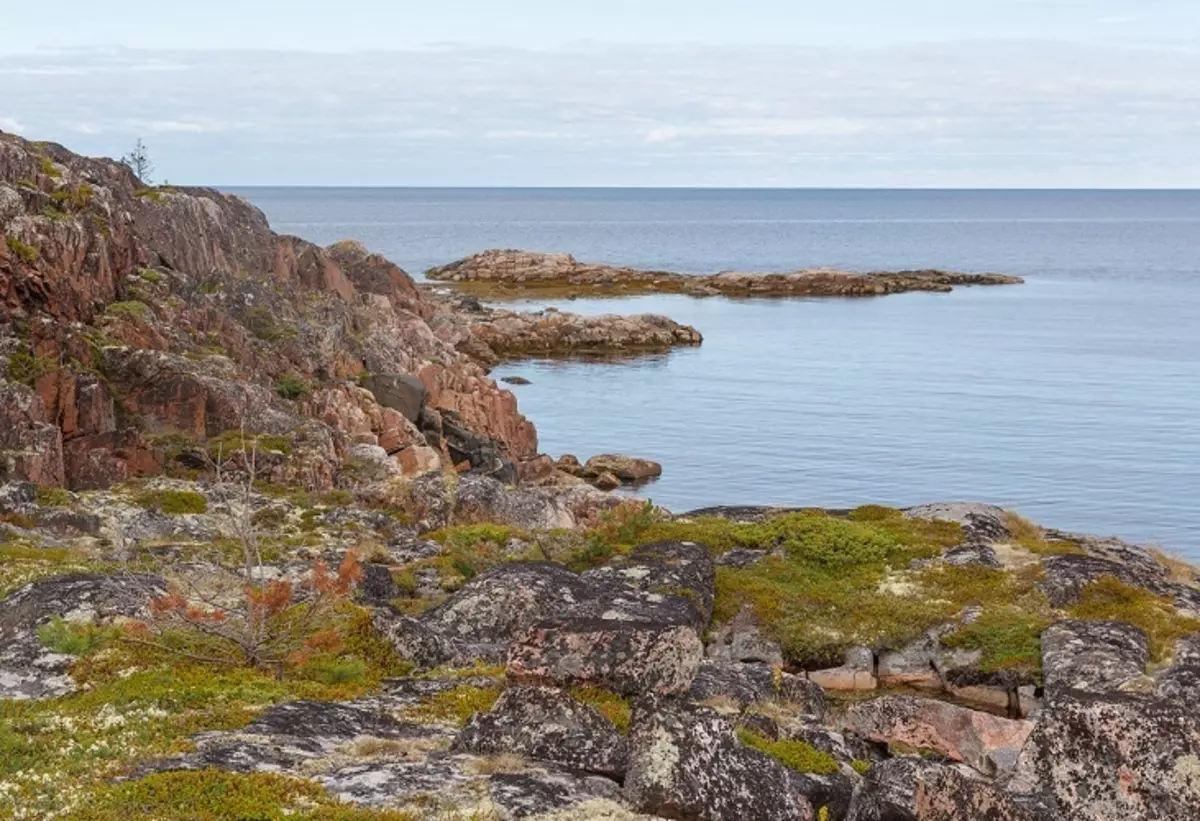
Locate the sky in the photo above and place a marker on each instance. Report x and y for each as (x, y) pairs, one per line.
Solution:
(924, 93)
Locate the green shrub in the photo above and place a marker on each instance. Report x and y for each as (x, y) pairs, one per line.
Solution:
(796, 755)
(291, 387)
(174, 502)
(25, 253)
(73, 639)
(335, 671)
(76, 198)
(54, 497)
(1008, 637)
(49, 168)
(50, 212)
(261, 323)
(25, 368)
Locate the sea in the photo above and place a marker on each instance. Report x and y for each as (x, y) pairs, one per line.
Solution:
(1073, 399)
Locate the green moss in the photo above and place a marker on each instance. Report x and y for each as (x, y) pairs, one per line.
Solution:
(232, 442)
(831, 582)
(1008, 637)
(860, 766)
(132, 310)
(212, 287)
(292, 387)
(58, 215)
(1108, 598)
(615, 708)
(54, 497)
(456, 706)
(216, 795)
(261, 323)
(24, 252)
(175, 502)
(336, 498)
(152, 194)
(76, 198)
(796, 755)
(149, 275)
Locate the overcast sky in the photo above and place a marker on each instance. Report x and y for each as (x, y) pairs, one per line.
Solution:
(1005, 93)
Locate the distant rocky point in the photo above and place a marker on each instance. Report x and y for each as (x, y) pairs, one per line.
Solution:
(497, 273)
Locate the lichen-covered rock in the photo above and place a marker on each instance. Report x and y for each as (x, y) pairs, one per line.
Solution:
(986, 742)
(543, 790)
(981, 522)
(1093, 656)
(912, 789)
(547, 724)
(923, 663)
(627, 657)
(1181, 681)
(743, 684)
(489, 611)
(857, 672)
(415, 642)
(687, 763)
(664, 582)
(1114, 757)
(1065, 577)
(28, 669)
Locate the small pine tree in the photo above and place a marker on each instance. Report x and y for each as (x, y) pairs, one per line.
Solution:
(138, 161)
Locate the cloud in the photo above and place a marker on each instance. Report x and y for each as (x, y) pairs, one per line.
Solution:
(11, 125)
(1005, 113)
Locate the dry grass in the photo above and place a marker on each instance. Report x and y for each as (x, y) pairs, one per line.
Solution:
(492, 764)
(1033, 537)
(1180, 570)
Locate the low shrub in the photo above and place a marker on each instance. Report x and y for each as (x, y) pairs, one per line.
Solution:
(1108, 598)
(24, 252)
(456, 706)
(796, 755)
(174, 502)
(292, 387)
(133, 310)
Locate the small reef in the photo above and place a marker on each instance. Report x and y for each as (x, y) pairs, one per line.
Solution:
(510, 274)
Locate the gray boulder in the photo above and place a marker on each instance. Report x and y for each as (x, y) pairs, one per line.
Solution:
(1093, 656)
(687, 763)
(981, 522)
(547, 724)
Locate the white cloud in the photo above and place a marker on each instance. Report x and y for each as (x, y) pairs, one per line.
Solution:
(981, 113)
(11, 125)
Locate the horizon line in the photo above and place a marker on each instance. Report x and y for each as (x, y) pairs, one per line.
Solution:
(385, 187)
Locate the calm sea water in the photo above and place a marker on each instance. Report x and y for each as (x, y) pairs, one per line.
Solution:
(1074, 398)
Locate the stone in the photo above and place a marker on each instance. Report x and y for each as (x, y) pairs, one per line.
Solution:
(981, 740)
(376, 586)
(686, 762)
(1113, 757)
(741, 640)
(743, 684)
(400, 392)
(665, 582)
(976, 554)
(536, 793)
(627, 657)
(19, 498)
(515, 380)
(856, 674)
(1065, 577)
(982, 523)
(606, 481)
(493, 608)
(1093, 656)
(625, 468)
(547, 724)
(1181, 681)
(414, 642)
(913, 789)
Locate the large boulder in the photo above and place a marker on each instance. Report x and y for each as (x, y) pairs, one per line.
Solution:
(664, 582)
(1181, 681)
(986, 742)
(687, 763)
(489, 611)
(627, 657)
(625, 468)
(1093, 656)
(398, 391)
(980, 522)
(912, 789)
(547, 724)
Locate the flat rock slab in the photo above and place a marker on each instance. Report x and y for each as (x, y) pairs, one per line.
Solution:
(988, 743)
(1093, 656)
(982, 523)
(623, 656)
(912, 789)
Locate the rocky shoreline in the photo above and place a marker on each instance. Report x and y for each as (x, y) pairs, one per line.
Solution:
(274, 544)
(510, 274)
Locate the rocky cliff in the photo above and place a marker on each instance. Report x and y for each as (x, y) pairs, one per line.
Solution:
(141, 322)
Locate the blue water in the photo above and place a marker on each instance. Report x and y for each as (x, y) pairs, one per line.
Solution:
(1074, 398)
